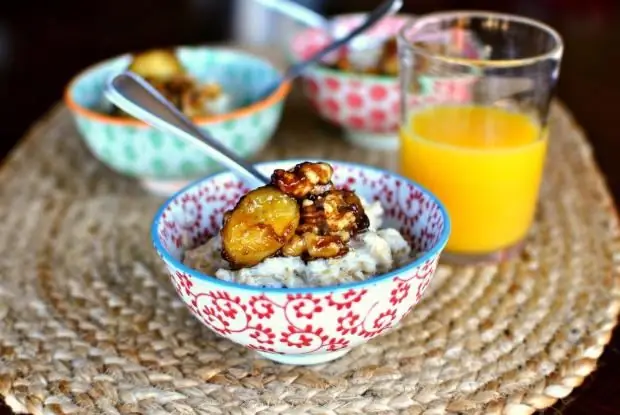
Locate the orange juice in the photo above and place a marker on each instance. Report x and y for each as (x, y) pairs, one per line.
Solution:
(485, 164)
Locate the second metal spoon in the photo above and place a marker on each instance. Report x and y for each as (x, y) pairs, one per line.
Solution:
(386, 8)
(311, 18)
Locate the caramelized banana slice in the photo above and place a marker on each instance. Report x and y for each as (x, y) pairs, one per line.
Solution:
(258, 227)
(157, 64)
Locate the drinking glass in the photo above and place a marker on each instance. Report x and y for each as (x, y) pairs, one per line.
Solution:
(474, 122)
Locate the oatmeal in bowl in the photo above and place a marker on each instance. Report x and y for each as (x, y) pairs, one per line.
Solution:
(333, 236)
(324, 257)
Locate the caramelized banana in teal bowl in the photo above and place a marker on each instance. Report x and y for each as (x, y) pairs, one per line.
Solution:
(218, 88)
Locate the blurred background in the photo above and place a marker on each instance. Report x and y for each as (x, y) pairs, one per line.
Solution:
(44, 43)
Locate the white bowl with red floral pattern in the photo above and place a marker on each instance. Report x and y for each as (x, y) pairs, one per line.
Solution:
(302, 326)
(367, 106)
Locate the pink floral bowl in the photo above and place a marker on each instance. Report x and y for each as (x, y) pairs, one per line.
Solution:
(302, 326)
(367, 106)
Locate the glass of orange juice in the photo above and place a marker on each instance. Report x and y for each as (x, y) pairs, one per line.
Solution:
(474, 125)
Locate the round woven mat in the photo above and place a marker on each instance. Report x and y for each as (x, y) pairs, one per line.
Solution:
(89, 322)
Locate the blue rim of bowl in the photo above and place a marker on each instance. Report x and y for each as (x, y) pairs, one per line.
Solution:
(326, 70)
(167, 257)
(276, 96)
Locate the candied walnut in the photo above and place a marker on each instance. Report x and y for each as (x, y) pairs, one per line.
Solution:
(175, 88)
(345, 212)
(304, 179)
(180, 90)
(211, 91)
(313, 217)
(324, 246)
(192, 104)
(388, 63)
(337, 212)
(194, 100)
(311, 245)
(263, 221)
(186, 94)
(327, 223)
(343, 64)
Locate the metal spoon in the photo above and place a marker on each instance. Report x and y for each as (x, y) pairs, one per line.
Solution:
(293, 71)
(313, 19)
(137, 97)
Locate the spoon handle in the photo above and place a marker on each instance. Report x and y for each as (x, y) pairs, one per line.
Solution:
(138, 98)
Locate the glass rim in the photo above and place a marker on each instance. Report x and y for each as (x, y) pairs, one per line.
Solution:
(417, 22)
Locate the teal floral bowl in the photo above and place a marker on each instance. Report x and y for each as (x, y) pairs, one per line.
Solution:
(161, 162)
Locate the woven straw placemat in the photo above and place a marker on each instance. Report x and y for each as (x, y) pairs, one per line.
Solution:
(89, 322)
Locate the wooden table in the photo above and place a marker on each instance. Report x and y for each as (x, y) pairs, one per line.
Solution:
(40, 51)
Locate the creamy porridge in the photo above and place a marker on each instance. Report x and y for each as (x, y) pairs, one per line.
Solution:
(369, 252)
(373, 252)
